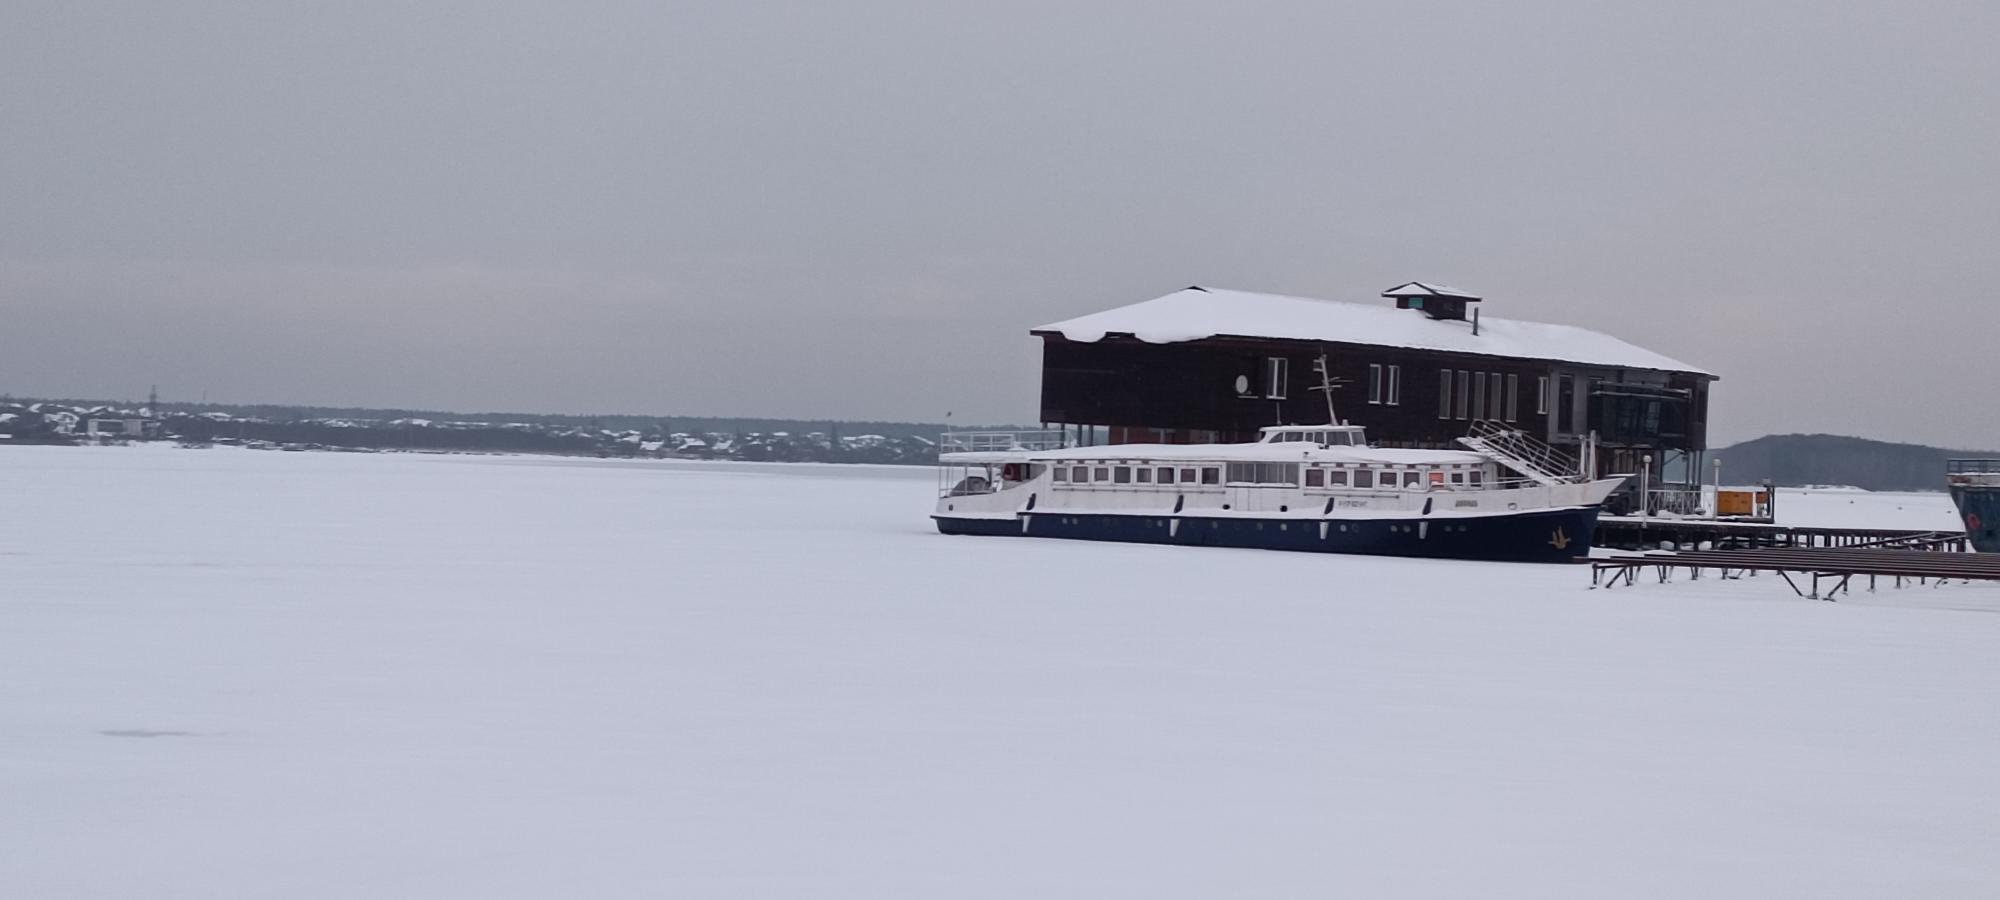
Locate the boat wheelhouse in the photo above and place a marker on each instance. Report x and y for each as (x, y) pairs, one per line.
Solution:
(1314, 488)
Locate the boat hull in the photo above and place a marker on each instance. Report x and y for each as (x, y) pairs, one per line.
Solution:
(1979, 509)
(1553, 535)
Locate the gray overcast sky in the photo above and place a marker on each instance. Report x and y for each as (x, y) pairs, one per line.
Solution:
(858, 209)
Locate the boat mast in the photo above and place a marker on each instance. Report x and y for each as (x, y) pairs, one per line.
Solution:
(1327, 385)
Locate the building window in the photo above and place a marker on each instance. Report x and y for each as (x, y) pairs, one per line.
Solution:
(1542, 396)
(1464, 392)
(1493, 405)
(1479, 395)
(1277, 374)
(1395, 385)
(1375, 382)
(1566, 404)
(1444, 393)
(1513, 396)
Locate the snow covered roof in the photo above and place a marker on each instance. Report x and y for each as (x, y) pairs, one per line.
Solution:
(1426, 289)
(1197, 313)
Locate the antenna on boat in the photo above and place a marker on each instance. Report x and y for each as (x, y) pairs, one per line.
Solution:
(1327, 385)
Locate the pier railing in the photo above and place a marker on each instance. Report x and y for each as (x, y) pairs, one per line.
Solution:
(1679, 501)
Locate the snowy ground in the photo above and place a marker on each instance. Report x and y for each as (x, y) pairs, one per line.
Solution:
(237, 674)
(1846, 507)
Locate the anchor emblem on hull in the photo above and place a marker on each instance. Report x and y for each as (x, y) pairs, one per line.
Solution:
(1559, 540)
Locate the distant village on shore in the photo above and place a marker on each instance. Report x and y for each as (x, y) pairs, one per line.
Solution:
(59, 422)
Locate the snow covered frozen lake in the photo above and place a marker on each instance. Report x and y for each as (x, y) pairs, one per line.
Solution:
(236, 674)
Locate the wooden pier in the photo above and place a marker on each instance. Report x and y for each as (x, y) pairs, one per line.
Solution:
(1920, 560)
(1659, 532)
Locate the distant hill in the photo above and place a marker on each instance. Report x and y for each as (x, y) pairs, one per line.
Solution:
(1802, 459)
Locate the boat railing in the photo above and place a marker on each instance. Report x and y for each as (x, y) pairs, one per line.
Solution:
(1972, 471)
(1521, 452)
(1001, 441)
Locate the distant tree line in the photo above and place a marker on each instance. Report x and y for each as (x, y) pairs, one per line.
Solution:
(1802, 459)
(311, 428)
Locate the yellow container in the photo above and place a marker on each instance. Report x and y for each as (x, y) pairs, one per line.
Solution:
(1738, 503)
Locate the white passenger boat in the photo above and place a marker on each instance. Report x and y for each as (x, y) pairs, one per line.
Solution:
(1313, 488)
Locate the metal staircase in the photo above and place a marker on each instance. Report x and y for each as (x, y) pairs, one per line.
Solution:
(1514, 449)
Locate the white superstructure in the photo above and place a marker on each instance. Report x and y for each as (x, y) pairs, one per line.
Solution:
(1292, 472)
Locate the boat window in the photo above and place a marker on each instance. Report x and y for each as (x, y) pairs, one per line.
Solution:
(1122, 475)
(1458, 478)
(1437, 477)
(1100, 473)
(1166, 475)
(1143, 475)
(1315, 478)
(1412, 478)
(1079, 474)
(1061, 474)
(1364, 478)
(1264, 473)
(1211, 475)
(1187, 476)
(1337, 478)
(1475, 477)
(1388, 478)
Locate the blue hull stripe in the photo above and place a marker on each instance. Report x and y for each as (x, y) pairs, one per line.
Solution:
(1547, 536)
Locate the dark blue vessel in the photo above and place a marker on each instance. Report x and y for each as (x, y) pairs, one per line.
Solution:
(1975, 489)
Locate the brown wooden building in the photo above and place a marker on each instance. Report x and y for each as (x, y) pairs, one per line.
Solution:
(1206, 364)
